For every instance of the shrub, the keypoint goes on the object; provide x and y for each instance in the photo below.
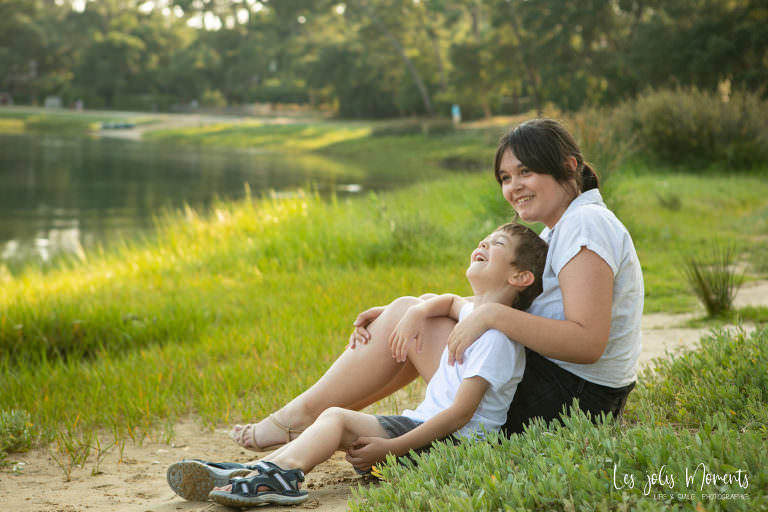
(689, 126)
(713, 279)
(15, 431)
(213, 98)
(727, 374)
(579, 465)
(604, 138)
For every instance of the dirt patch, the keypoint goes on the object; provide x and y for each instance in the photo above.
(135, 479)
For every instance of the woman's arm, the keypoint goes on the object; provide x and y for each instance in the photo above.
(586, 283)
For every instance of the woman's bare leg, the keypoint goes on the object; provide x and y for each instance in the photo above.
(362, 375)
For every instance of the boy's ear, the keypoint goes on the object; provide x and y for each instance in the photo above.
(522, 278)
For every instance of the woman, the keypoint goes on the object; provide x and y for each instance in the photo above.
(582, 334)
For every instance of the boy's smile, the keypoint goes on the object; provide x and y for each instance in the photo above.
(492, 263)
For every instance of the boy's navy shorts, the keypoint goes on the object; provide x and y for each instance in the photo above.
(397, 426)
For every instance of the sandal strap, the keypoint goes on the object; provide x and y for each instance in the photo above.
(225, 465)
(294, 475)
(274, 481)
(285, 428)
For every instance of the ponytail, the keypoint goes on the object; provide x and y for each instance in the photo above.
(589, 179)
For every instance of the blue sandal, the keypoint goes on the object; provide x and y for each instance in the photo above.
(193, 479)
(282, 488)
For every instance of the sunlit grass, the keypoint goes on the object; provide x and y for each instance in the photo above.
(226, 314)
(11, 126)
(256, 134)
(63, 122)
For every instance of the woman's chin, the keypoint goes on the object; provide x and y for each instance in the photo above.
(524, 215)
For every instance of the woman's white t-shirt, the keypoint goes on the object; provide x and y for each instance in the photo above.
(589, 223)
(493, 357)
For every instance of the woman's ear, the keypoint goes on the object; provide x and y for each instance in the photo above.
(522, 278)
(572, 163)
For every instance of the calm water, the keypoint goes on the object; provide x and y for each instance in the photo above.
(69, 194)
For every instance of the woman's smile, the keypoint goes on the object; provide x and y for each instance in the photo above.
(535, 197)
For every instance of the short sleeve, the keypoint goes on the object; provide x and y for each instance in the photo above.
(588, 228)
(466, 309)
(494, 358)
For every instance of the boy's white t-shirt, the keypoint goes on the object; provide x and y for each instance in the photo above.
(589, 223)
(493, 357)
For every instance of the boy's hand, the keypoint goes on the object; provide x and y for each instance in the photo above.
(408, 329)
(368, 451)
(360, 334)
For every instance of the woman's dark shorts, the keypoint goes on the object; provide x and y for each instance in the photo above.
(546, 389)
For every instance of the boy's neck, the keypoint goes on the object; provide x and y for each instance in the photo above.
(505, 295)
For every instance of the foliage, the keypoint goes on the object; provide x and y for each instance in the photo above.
(700, 128)
(580, 465)
(726, 375)
(713, 279)
(377, 58)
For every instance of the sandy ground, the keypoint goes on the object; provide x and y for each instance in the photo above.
(135, 479)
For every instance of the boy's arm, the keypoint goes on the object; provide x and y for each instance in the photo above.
(410, 326)
(370, 450)
(445, 423)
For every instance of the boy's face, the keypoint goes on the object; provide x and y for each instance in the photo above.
(492, 263)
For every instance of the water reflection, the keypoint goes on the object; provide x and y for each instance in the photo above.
(66, 195)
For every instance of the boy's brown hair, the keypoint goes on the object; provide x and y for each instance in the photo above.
(530, 254)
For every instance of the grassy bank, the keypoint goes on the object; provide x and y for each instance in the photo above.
(227, 314)
(186, 324)
(60, 122)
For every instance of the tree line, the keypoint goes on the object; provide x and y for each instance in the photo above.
(376, 58)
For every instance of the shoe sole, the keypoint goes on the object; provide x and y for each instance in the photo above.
(233, 500)
(193, 480)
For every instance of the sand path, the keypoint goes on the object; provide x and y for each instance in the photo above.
(135, 481)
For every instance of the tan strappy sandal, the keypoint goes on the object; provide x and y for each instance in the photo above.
(246, 438)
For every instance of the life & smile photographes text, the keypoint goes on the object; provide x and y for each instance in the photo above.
(707, 484)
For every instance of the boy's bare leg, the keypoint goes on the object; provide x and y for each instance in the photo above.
(335, 429)
(362, 375)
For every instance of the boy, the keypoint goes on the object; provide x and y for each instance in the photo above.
(462, 399)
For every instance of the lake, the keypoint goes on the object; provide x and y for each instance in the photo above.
(65, 195)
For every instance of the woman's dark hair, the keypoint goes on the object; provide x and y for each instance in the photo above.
(544, 146)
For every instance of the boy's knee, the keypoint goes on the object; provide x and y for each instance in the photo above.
(427, 296)
(333, 413)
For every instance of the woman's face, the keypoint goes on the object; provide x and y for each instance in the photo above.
(535, 197)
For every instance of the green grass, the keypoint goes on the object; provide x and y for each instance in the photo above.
(730, 210)
(186, 323)
(60, 122)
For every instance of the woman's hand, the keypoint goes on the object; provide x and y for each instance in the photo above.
(408, 329)
(360, 333)
(368, 451)
(465, 334)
